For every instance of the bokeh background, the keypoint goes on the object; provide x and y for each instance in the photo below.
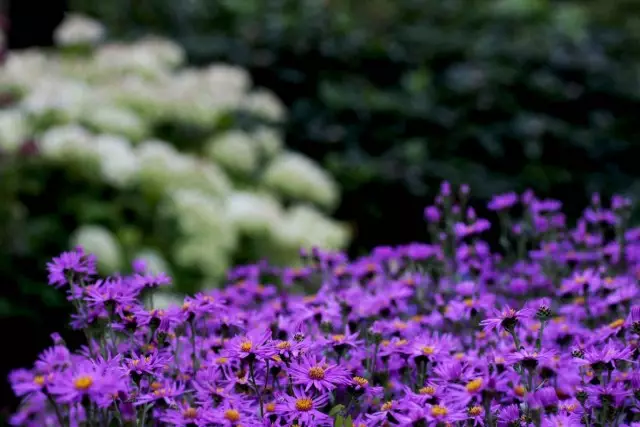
(204, 133)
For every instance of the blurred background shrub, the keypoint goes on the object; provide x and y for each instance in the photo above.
(394, 96)
(122, 149)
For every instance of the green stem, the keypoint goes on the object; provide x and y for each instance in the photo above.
(194, 355)
(255, 386)
(56, 408)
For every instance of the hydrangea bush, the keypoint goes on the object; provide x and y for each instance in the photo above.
(185, 167)
(543, 332)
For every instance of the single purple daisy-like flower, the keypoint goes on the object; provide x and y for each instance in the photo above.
(166, 392)
(83, 379)
(304, 408)
(71, 264)
(255, 344)
(186, 415)
(506, 319)
(311, 372)
(529, 359)
(509, 416)
(502, 201)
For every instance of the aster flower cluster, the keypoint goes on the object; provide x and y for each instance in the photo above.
(542, 333)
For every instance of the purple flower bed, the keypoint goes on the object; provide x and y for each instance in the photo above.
(448, 333)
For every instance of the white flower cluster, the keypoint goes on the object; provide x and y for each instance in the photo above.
(100, 112)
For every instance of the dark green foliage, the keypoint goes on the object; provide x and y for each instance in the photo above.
(396, 96)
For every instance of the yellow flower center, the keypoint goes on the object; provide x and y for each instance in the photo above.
(579, 300)
(400, 343)
(362, 382)
(283, 345)
(316, 373)
(399, 325)
(387, 406)
(270, 407)
(186, 307)
(439, 411)
(459, 356)
(519, 390)
(305, 404)
(156, 386)
(338, 338)
(160, 392)
(468, 302)
(581, 280)
(83, 382)
(428, 350)
(246, 346)
(221, 360)
(190, 413)
(232, 415)
(385, 343)
(499, 360)
(417, 318)
(481, 335)
(38, 380)
(474, 385)
(474, 411)
(616, 323)
(430, 390)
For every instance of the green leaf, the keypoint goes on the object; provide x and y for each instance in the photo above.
(348, 422)
(339, 421)
(336, 410)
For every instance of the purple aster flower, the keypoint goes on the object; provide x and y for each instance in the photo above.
(509, 416)
(312, 372)
(503, 201)
(187, 415)
(75, 264)
(145, 364)
(304, 408)
(529, 359)
(507, 319)
(165, 392)
(25, 382)
(83, 379)
(255, 344)
(601, 358)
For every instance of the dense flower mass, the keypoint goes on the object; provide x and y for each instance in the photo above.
(543, 332)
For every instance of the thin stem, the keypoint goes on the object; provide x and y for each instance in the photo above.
(56, 408)
(253, 381)
(194, 355)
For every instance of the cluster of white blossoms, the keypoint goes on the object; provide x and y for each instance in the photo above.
(99, 111)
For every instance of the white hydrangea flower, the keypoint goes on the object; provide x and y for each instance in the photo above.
(68, 142)
(265, 103)
(63, 98)
(236, 151)
(14, 130)
(200, 215)
(168, 53)
(304, 226)
(101, 242)
(154, 260)
(118, 161)
(22, 68)
(117, 120)
(204, 254)
(163, 300)
(226, 80)
(163, 167)
(254, 213)
(269, 140)
(78, 29)
(297, 176)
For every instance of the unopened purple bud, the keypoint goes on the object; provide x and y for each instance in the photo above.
(139, 266)
(527, 197)
(471, 214)
(465, 189)
(432, 214)
(445, 189)
(455, 209)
